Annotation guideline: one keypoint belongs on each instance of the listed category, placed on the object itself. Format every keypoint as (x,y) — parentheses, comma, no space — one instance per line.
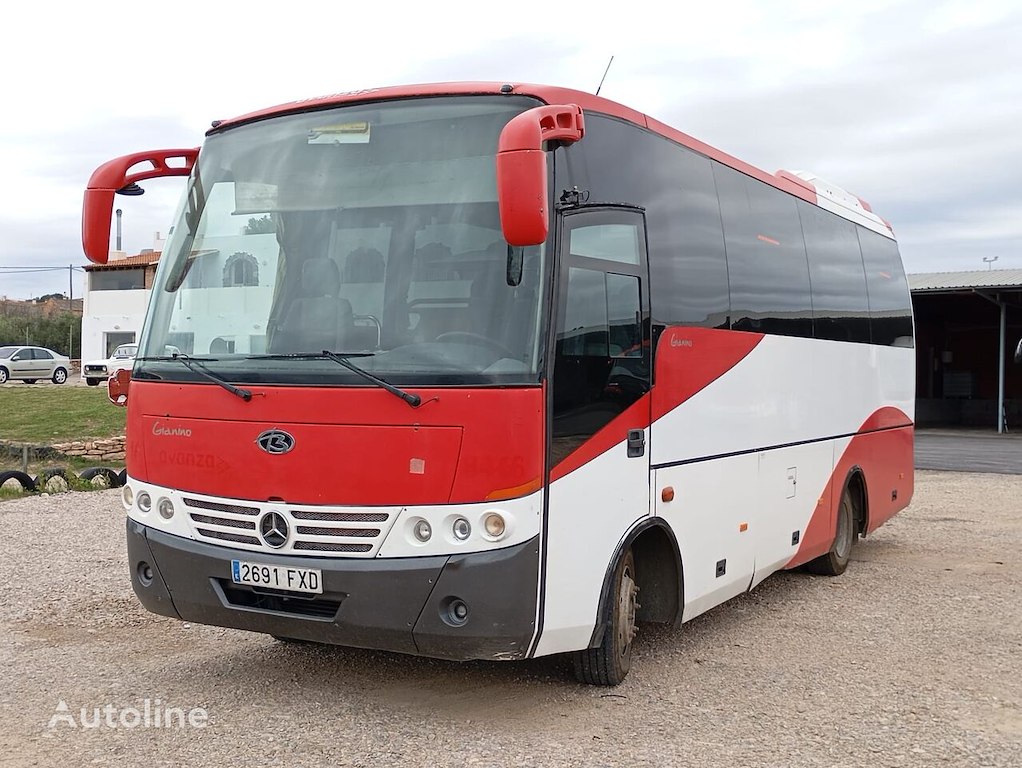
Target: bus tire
(608,664)
(835,561)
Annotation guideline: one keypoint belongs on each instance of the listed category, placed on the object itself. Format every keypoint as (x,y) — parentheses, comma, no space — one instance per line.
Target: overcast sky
(915,106)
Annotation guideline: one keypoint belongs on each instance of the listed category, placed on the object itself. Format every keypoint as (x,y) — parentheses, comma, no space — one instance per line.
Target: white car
(97,371)
(122,359)
(31,364)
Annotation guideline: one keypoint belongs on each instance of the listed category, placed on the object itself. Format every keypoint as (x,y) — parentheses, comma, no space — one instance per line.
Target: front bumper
(393,604)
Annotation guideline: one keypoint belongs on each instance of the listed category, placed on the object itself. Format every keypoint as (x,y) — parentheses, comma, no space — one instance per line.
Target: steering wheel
(478,339)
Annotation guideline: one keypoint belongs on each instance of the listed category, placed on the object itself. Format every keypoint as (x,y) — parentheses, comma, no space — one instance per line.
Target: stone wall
(107,449)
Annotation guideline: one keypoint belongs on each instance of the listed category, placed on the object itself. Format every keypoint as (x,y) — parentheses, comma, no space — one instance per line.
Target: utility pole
(70,311)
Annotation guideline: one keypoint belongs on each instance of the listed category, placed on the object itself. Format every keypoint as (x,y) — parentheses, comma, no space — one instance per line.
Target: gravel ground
(912,658)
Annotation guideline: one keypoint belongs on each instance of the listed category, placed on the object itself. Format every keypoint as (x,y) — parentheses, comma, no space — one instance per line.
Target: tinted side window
(840,308)
(684,241)
(890,307)
(766,256)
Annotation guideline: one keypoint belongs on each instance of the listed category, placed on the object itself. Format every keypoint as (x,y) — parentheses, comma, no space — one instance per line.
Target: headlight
(422,531)
(494,525)
(127,496)
(145,502)
(166,508)
(461,529)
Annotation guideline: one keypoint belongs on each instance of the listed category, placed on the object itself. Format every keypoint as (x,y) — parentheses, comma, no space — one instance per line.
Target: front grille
(225,536)
(341,517)
(325,531)
(216,506)
(95,368)
(359,533)
(324,546)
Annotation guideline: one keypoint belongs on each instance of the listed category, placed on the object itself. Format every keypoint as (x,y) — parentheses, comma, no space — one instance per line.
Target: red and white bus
(494,371)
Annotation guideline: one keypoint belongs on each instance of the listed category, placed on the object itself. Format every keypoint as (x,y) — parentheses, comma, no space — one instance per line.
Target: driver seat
(320,319)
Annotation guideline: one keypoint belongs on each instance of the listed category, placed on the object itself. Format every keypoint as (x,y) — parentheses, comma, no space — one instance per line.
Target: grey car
(31,364)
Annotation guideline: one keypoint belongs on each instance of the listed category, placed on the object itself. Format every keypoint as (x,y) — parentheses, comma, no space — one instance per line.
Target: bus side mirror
(120,176)
(1018,352)
(522,194)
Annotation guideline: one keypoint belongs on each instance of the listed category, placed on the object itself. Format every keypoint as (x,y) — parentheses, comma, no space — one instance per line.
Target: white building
(227,293)
(115,301)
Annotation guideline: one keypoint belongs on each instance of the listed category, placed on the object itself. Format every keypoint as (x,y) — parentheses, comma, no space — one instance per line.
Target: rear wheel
(609,663)
(835,561)
(59,376)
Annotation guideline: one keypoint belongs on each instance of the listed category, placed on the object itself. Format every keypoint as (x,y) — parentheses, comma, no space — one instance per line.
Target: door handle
(636,443)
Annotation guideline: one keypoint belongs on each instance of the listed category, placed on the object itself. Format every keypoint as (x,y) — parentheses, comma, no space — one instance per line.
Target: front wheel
(92,382)
(609,663)
(3,375)
(835,561)
(59,376)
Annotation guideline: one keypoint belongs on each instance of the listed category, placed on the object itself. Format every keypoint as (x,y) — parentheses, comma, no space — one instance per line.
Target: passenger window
(840,308)
(890,305)
(766,257)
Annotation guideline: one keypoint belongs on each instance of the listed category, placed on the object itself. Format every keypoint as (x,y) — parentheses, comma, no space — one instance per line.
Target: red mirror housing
(522,193)
(117,387)
(112,176)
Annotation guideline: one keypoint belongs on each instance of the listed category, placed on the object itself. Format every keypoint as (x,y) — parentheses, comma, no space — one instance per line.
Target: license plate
(277,577)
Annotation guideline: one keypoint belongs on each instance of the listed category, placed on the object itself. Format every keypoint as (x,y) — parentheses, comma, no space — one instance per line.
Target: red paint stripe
(886,460)
(688,361)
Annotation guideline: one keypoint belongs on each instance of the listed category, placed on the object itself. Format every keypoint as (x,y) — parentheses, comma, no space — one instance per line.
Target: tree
(261,226)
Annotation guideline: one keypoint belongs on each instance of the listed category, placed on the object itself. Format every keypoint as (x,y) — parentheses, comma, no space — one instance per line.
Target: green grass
(47,414)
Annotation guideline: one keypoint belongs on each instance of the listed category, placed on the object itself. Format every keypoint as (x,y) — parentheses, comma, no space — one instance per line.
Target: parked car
(123,358)
(96,371)
(32,363)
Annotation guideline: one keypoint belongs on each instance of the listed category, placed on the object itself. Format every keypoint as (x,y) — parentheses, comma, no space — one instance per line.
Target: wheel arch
(855,485)
(658,574)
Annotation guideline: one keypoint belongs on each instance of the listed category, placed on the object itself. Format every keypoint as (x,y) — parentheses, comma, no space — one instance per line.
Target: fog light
(127,496)
(145,502)
(462,529)
(145,573)
(422,531)
(494,525)
(166,509)
(456,613)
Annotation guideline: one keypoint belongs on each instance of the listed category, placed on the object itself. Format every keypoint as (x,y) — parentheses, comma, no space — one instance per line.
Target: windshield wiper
(192,364)
(342,359)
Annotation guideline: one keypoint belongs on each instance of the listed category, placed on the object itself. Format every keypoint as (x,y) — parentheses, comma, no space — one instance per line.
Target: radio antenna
(604,75)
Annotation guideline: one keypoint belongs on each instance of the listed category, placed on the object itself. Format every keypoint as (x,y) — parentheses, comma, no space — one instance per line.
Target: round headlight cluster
(422,530)
(461,528)
(494,525)
(127,496)
(165,508)
(145,502)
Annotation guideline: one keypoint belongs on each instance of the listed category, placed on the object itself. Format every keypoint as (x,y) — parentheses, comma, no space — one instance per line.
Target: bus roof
(801,184)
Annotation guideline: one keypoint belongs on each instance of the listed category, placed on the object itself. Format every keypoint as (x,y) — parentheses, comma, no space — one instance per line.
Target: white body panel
(590,511)
(785,391)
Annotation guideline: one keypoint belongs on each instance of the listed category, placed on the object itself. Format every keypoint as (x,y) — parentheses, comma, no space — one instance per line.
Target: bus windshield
(370,229)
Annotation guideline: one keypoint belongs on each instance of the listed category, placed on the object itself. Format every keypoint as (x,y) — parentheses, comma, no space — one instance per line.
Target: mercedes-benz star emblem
(273,528)
(275,441)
